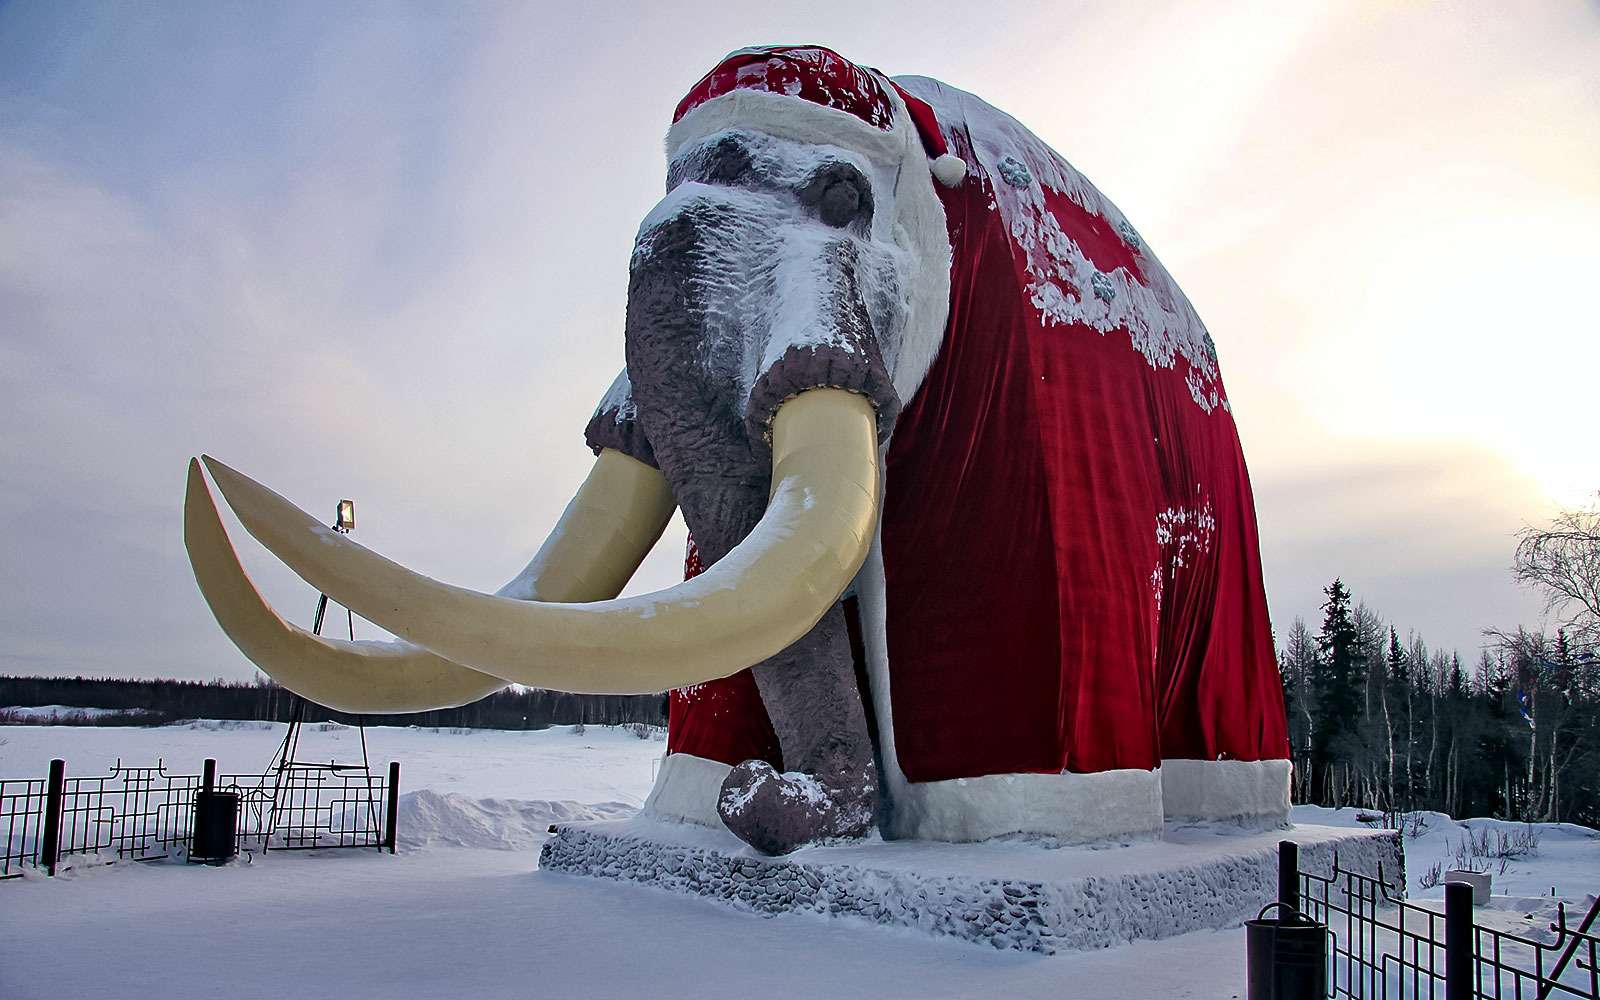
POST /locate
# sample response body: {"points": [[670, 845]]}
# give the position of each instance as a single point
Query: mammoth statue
{"points": [[974, 548]]}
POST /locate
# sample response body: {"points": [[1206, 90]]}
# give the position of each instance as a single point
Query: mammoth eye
{"points": [[728, 161], [839, 194], [841, 201]]}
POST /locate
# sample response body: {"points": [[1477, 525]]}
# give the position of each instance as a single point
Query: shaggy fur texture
{"points": [[721, 477]]}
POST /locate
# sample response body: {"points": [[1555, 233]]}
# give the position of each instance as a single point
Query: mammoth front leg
{"points": [[831, 786]]}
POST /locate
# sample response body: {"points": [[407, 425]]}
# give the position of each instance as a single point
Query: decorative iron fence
{"points": [[145, 814], [1384, 946], [21, 820]]}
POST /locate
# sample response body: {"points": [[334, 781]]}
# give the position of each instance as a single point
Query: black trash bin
{"points": [[1287, 956], [216, 820]]}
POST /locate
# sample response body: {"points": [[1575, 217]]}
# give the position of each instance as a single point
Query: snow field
{"points": [[1567, 857], [462, 912], [603, 764]]}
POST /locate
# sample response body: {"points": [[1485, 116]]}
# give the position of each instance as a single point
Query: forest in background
{"points": [[158, 702], [1394, 726]]}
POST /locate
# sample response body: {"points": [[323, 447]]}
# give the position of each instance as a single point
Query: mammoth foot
{"points": [[778, 812]]}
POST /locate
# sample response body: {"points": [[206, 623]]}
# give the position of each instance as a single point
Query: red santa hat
{"points": [[810, 94], [823, 77]]}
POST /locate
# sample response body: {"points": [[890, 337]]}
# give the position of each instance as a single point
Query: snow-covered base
{"points": [[1023, 894]]}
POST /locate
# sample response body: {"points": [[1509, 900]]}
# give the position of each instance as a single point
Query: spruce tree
{"points": [[1397, 722], [1334, 685]]}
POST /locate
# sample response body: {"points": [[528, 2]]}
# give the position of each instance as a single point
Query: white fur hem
{"points": [[1244, 791], [1076, 808], [787, 118], [686, 789]]}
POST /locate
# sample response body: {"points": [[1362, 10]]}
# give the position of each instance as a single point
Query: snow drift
{"points": [[450, 819]]}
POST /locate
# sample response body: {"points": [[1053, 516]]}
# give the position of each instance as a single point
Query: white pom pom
{"points": [[950, 169]]}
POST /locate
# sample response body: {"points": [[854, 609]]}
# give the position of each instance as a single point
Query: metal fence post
{"points": [[208, 775], [1289, 875], [1459, 959], [392, 809], [50, 836]]}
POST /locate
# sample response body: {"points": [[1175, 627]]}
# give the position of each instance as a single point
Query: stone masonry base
{"points": [[1010, 893]]}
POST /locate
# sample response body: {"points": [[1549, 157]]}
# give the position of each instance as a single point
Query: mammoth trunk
{"points": [[708, 370]]}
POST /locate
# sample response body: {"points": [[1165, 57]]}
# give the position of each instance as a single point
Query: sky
{"points": [[380, 251]]}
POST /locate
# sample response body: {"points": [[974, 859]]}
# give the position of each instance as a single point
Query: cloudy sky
{"points": [[381, 252]]}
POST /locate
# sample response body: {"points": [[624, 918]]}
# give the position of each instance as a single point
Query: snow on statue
{"points": [[979, 550]]}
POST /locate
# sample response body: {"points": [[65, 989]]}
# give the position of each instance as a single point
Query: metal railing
{"points": [[146, 814], [1384, 946], [22, 811]]}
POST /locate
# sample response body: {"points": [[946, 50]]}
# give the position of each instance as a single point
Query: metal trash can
{"points": [[1287, 957], [216, 821]]}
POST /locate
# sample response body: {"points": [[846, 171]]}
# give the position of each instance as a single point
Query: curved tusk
{"points": [[616, 517], [612, 523], [348, 676], [751, 604]]}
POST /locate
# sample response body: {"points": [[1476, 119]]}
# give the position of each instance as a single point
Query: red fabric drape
{"points": [[1069, 537], [721, 719]]}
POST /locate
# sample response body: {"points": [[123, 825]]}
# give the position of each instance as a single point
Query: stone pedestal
{"points": [[1023, 894]]}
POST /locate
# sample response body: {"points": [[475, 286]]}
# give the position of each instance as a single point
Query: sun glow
{"points": [[1473, 331]]}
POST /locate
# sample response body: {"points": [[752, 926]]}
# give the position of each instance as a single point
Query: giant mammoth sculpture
{"points": [[978, 545]]}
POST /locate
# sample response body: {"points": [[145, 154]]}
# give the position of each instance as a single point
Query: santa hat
{"points": [[823, 77], [948, 168], [810, 94]]}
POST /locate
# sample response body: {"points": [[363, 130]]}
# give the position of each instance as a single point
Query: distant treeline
{"points": [[161, 701], [1392, 725]]}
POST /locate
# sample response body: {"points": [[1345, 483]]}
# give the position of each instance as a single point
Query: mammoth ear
{"points": [[615, 424]]}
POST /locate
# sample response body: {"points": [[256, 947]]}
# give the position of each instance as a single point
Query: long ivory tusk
{"points": [[611, 524], [753, 603]]}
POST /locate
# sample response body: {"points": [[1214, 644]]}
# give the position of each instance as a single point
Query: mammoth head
{"points": [[800, 243], [787, 293]]}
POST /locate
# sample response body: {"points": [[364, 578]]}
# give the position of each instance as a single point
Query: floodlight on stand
{"points": [[291, 785], [344, 522]]}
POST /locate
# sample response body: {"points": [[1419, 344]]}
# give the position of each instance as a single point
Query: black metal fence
{"points": [[145, 814], [1384, 946]]}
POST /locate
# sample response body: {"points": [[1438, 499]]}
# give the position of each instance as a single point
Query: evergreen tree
{"points": [[1333, 686], [1397, 722]]}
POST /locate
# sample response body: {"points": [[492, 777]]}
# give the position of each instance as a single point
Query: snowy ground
{"points": [[43, 715], [461, 911], [1567, 859], [601, 765]]}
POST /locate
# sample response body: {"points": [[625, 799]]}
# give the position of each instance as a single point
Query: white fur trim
{"points": [[787, 118], [1244, 791], [871, 591], [916, 225], [1075, 808], [686, 789], [950, 169]]}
